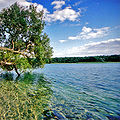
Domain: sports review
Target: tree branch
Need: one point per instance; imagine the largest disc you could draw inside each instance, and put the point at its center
(11, 50)
(6, 63)
(16, 70)
(12, 45)
(28, 47)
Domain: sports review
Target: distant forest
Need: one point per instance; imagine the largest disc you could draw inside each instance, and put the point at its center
(112, 58)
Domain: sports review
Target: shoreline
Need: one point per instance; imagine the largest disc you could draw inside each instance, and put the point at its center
(83, 63)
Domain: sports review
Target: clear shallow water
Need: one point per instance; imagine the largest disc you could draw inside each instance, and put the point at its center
(26, 98)
(62, 91)
(85, 91)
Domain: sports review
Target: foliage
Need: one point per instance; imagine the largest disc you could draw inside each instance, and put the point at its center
(25, 99)
(112, 58)
(23, 43)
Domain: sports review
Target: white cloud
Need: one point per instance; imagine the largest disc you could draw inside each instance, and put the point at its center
(59, 14)
(89, 33)
(108, 47)
(7, 3)
(86, 30)
(62, 41)
(58, 4)
(65, 14)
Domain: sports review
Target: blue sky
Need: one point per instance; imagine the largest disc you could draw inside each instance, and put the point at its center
(79, 27)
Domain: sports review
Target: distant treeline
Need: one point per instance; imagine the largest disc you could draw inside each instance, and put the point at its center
(112, 58)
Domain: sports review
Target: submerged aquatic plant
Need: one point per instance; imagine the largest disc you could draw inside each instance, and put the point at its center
(26, 98)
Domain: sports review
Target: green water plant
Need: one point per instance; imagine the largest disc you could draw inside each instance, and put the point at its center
(23, 44)
(25, 99)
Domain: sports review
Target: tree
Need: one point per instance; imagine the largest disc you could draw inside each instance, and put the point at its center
(23, 45)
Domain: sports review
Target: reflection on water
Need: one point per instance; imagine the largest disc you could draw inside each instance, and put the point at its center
(26, 98)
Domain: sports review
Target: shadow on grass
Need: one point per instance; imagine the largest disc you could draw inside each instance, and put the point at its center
(26, 98)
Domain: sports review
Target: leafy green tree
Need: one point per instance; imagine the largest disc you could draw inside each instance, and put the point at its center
(23, 45)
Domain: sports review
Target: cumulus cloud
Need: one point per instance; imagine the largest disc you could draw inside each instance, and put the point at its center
(89, 33)
(59, 14)
(62, 41)
(39, 6)
(7, 3)
(65, 14)
(108, 47)
(58, 4)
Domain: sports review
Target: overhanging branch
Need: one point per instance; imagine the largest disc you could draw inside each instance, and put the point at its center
(6, 63)
(28, 47)
(11, 50)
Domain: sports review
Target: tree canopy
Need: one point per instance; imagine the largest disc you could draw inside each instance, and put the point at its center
(23, 44)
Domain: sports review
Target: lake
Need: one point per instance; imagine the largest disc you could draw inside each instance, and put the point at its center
(85, 90)
(88, 91)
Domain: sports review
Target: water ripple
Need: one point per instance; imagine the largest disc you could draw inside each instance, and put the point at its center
(86, 91)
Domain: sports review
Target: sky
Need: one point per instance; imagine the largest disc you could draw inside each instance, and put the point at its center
(78, 28)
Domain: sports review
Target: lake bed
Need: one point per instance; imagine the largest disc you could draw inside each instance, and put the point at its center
(70, 91)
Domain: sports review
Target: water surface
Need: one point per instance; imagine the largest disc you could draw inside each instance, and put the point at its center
(63, 91)
(85, 91)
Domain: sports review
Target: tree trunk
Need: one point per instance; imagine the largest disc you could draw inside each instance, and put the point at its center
(16, 70)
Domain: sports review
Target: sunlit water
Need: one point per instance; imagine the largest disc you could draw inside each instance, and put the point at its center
(85, 91)
(63, 92)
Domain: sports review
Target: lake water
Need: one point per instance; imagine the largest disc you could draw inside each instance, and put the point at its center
(89, 91)
(85, 91)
